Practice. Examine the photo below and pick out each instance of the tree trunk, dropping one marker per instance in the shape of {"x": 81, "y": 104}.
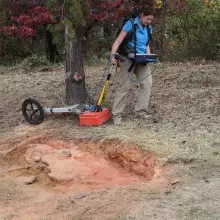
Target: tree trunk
{"x": 75, "y": 76}
{"x": 163, "y": 23}
{"x": 50, "y": 47}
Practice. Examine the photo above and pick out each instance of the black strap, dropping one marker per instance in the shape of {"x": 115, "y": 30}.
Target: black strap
{"x": 135, "y": 48}
{"x": 132, "y": 31}
{"x": 135, "y": 41}
{"x": 149, "y": 35}
{"x": 135, "y": 45}
{"x": 132, "y": 66}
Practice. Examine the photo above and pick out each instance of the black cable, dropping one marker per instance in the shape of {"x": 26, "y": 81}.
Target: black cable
{"x": 140, "y": 81}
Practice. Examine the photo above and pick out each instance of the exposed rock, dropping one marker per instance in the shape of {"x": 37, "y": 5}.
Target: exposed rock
{"x": 65, "y": 153}
{"x": 36, "y": 155}
{"x": 28, "y": 179}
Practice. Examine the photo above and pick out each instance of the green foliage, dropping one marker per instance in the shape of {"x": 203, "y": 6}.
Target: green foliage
{"x": 72, "y": 14}
{"x": 58, "y": 31}
{"x": 196, "y": 32}
{"x": 189, "y": 35}
{"x": 91, "y": 58}
{"x": 35, "y": 61}
{"x": 3, "y": 12}
{"x": 99, "y": 46}
{"x": 13, "y": 50}
{"x": 75, "y": 11}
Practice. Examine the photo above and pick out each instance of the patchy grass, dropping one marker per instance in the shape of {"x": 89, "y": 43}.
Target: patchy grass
{"x": 184, "y": 105}
{"x": 185, "y": 129}
{"x": 8, "y": 190}
{"x": 8, "y": 216}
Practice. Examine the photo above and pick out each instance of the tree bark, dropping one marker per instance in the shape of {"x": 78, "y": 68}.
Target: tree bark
{"x": 50, "y": 47}
{"x": 75, "y": 76}
{"x": 163, "y": 23}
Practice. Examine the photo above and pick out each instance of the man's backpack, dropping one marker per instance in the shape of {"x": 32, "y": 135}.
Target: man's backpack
{"x": 124, "y": 49}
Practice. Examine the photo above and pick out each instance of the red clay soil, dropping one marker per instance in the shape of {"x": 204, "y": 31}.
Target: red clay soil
{"x": 81, "y": 164}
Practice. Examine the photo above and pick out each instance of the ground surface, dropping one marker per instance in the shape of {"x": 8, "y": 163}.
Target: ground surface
{"x": 164, "y": 168}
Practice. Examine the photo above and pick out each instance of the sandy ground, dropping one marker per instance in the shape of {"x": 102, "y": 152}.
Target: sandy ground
{"x": 164, "y": 168}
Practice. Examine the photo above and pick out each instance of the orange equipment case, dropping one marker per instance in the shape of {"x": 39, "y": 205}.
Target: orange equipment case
{"x": 89, "y": 118}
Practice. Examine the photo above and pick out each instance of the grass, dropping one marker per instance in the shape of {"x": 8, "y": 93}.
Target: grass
{"x": 185, "y": 129}
{"x": 8, "y": 216}
{"x": 8, "y": 189}
{"x": 184, "y": 108}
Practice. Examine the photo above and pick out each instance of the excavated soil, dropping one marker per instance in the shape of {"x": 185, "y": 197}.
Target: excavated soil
{"x": 79, "y": 165}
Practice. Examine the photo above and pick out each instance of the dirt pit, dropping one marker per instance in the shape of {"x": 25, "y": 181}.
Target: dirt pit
{"x": 80, "y": 164}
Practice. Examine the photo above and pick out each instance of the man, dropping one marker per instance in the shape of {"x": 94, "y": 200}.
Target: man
{"x": 144, "y": 18}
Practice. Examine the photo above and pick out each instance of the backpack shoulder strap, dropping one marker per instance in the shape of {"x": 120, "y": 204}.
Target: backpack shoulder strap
{"x": 133, "y": 28}
{"x": 149, "y": 35}
{"x": 133, "y": 33}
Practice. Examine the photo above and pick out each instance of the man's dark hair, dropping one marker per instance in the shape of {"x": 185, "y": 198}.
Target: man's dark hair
{"x": 147, "y": 11}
